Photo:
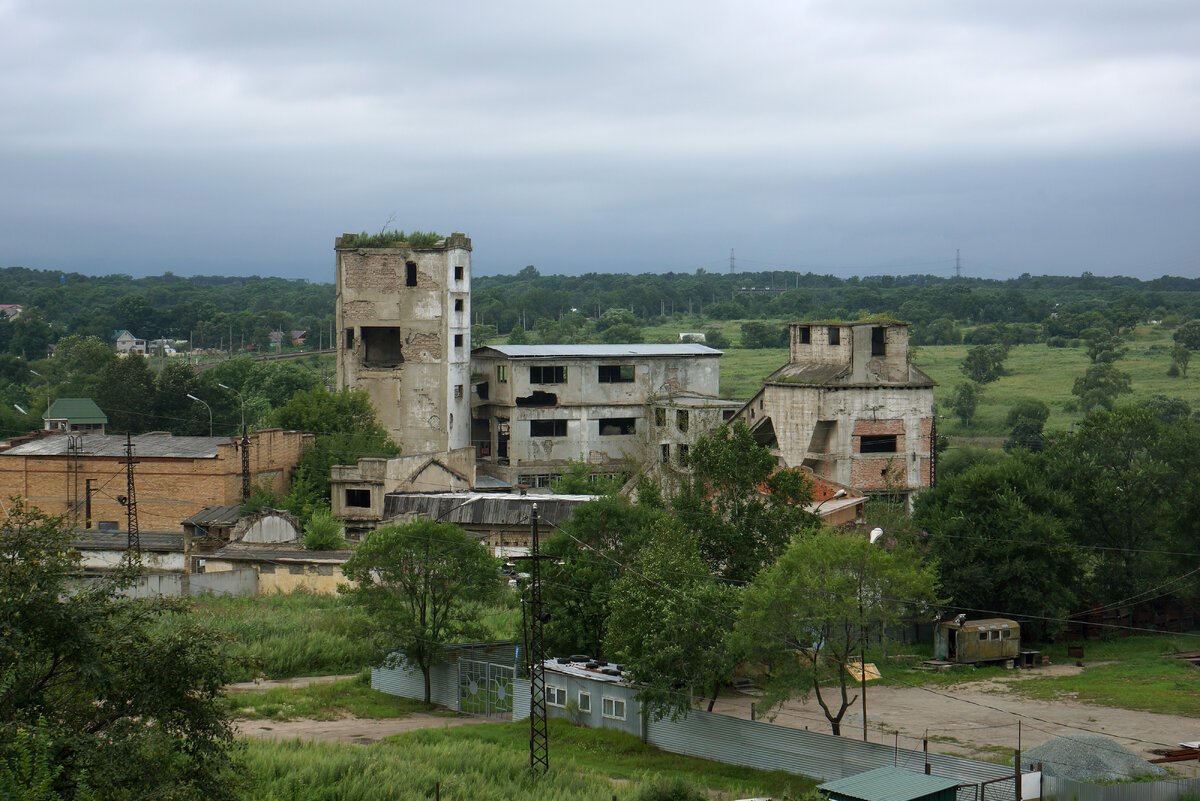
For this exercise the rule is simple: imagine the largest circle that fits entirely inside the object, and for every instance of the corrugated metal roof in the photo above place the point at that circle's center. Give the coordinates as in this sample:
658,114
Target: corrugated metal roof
163,446
246,553
215,516
483,509
596,351
75,410
158,541
888,784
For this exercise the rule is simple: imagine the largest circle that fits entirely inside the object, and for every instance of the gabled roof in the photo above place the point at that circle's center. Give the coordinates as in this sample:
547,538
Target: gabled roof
595,351
888,784
75,410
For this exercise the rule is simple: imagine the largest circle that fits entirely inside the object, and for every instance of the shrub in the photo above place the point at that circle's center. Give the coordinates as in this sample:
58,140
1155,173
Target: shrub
676,789
323,533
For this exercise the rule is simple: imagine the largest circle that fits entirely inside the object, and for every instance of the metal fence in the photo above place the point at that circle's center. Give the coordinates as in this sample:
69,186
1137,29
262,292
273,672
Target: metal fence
1071,790
485,688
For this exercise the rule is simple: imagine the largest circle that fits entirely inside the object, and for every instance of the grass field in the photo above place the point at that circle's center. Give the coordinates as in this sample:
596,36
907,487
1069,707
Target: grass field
322,701
491,761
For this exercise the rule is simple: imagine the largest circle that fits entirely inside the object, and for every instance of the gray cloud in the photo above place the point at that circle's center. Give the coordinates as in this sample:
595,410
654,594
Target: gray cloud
839,136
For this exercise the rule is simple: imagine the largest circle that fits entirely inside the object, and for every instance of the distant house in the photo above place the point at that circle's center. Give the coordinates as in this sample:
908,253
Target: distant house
298,335
75,415
10,311
127,343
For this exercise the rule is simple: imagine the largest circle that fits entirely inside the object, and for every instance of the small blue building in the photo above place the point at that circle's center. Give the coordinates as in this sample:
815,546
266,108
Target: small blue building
596,697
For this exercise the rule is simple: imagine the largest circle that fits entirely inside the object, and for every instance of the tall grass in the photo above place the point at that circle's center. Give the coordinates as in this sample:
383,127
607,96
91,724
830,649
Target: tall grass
492,762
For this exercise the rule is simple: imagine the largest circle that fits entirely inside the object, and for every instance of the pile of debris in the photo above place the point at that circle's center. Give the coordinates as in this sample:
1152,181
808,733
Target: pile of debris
1090,757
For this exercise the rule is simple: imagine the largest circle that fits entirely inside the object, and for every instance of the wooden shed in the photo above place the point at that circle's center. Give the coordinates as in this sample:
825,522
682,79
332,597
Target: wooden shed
890,784
970,642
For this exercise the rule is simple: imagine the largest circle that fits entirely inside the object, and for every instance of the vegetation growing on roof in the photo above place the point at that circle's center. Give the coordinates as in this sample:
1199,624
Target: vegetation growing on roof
390,239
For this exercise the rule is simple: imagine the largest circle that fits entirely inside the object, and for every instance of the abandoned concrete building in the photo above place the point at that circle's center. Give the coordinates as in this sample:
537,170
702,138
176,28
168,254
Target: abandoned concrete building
849,406
537,407
404,314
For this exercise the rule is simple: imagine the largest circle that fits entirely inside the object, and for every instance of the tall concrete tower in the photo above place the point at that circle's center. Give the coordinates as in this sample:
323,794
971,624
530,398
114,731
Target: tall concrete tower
404,323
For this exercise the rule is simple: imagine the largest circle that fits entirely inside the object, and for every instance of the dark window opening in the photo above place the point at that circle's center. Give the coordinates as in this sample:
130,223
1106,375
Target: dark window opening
358,498
617,426
458,391
877,443
458,304
666,453
458,340
502,373
410,273
660,417
548,375
482,390
878,348
547,428
538,398
349,339
458,272
805,335
681,420
382,346
683,454
616,373
835,335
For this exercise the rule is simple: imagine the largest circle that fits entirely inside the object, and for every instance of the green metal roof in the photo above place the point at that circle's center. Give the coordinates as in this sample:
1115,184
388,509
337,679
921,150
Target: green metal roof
888,784
75,410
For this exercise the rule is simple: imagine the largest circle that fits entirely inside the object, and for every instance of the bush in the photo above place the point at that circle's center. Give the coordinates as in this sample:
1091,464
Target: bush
323,533
669,790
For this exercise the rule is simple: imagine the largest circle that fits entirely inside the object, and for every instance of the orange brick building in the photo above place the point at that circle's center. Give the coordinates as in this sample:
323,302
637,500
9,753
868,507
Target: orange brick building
174,477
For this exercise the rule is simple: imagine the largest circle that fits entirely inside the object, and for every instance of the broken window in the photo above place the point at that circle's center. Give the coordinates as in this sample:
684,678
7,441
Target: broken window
547,428
548,375
617,426
349,339
502,373
666,453
410,273
805,335
458,392
835,335
382,346
482,390
683,454
878,347
660,417
616,373
458,304
538,398
358,498
681,420
877,443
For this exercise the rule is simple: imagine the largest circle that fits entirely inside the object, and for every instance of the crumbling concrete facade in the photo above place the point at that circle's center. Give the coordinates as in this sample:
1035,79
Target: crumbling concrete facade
404,323
849,406
537,407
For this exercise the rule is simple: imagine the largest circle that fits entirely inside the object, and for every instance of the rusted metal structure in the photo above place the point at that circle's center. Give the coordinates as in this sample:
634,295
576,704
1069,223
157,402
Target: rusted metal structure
969,642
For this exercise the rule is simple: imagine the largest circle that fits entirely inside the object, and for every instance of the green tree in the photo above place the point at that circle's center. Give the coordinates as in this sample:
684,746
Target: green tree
414,581
1025,421
715,338
323,532
125,393
116,693
965,400
581,478
1188,334
806,616
763,335
670,622
1103,346
590,550
741,509
999,534
1180,357
984,363
1100,385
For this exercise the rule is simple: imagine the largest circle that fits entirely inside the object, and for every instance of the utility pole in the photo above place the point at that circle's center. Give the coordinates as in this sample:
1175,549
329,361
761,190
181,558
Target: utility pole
87,504
731,262
539,732
134,546
957,263
245,446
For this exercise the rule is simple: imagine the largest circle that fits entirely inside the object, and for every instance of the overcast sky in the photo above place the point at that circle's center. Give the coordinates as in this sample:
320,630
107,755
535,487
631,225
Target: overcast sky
872,137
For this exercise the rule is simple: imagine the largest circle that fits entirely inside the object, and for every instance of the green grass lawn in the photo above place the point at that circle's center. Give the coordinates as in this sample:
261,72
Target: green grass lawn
491,761
324,701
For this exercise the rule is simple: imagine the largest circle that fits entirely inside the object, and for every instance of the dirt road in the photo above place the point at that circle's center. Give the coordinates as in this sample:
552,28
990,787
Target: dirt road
350,729
980,719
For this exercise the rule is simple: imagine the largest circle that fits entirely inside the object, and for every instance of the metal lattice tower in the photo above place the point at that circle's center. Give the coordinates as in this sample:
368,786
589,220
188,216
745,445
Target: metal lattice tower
245,446
135,541
539,732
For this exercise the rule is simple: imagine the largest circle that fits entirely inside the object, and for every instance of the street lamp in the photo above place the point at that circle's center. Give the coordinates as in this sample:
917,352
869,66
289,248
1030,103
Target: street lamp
876,533
206,406
839,494
47,380
240,400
